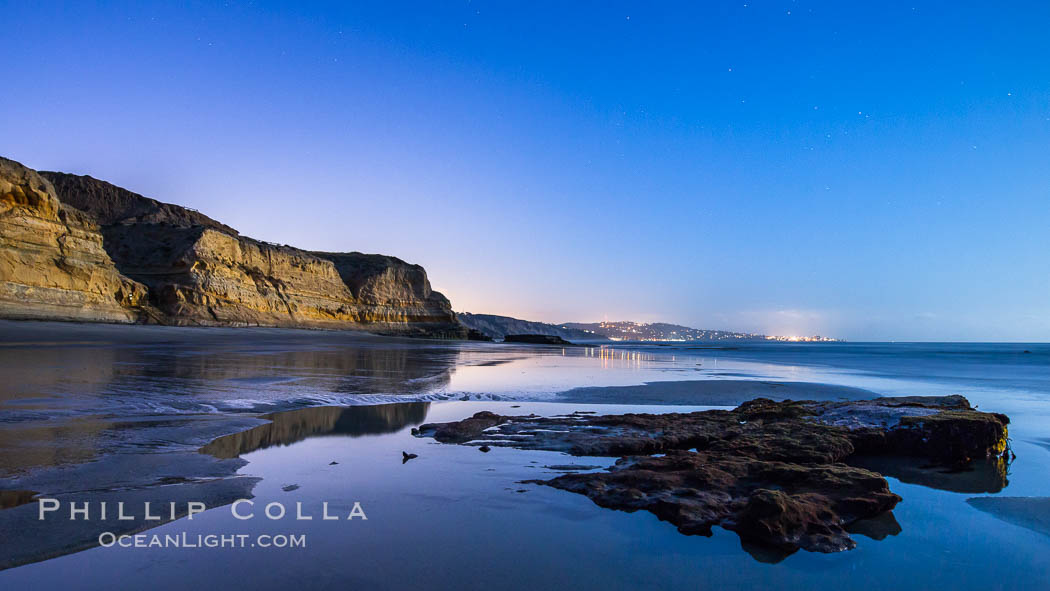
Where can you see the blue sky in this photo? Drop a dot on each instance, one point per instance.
(870, 172)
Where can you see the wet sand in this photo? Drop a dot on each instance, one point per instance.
(58, 534)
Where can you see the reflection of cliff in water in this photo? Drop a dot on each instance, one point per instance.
(295, 425)
(350, 370)
(200, 371)
(70, 389)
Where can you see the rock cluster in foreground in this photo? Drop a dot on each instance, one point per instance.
(77, 248)
(774, 472)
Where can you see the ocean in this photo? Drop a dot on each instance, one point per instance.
(91, 413)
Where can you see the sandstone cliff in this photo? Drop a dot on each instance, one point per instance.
(109, 204)
(75, 247)
(52, 261)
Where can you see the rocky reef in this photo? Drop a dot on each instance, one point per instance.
(776, 473)
(535, 339)
(77, 248)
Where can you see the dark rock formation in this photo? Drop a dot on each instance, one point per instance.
(535, 339)
(14, 498)
(497, 327)
(774, 472)
(462, 431)
(75, 247)
(474, 334)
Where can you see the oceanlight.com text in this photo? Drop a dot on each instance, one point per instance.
(185, 540)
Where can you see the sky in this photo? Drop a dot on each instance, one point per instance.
(868, 171)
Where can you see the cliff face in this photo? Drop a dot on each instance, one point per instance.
(108, 204)
(52, 261)
(142, 260)
(197, 275)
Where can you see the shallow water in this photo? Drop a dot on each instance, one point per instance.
(458, 518)
(90, 409)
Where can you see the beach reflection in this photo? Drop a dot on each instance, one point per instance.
(204, 372)
(77, 393)
(295, 425)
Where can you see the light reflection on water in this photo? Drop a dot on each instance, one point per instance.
(70, 384)
(99, 393)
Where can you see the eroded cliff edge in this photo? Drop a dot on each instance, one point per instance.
(77, 248)
(52, 261)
